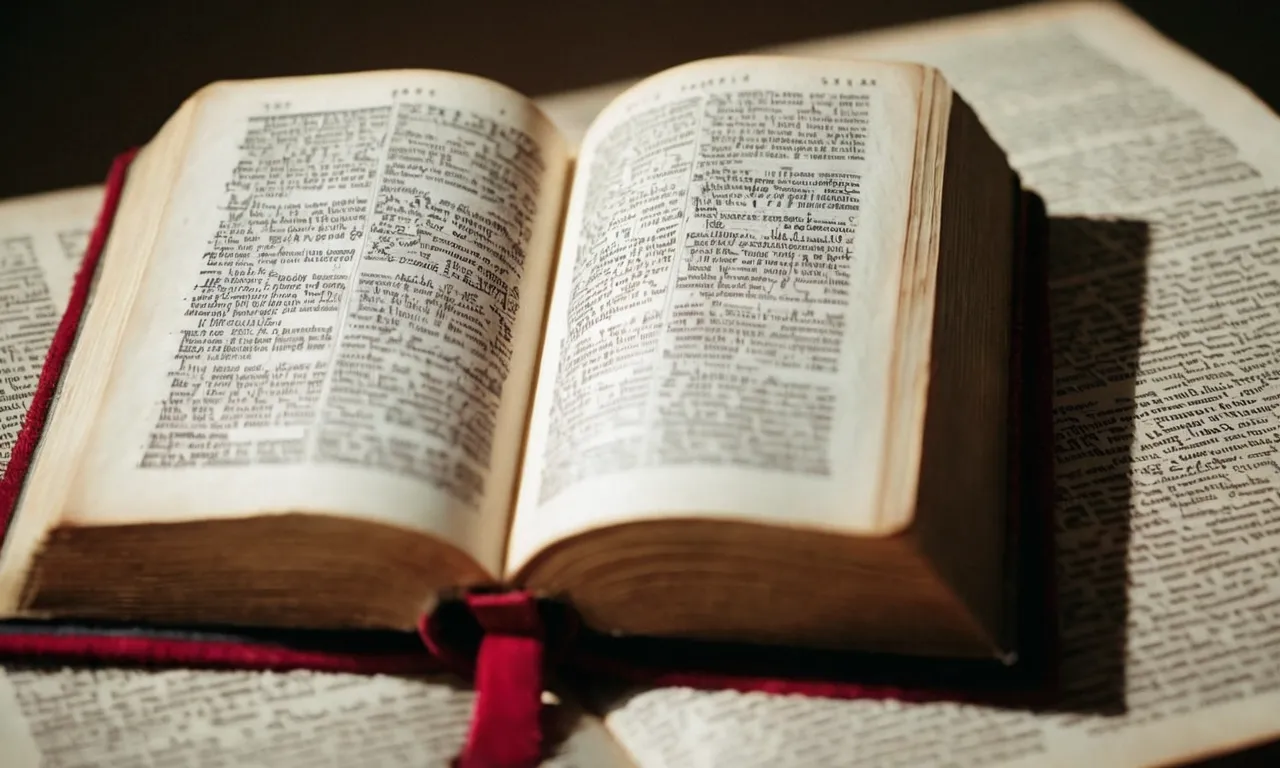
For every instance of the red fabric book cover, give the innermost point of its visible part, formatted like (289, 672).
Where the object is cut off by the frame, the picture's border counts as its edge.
(507, 641)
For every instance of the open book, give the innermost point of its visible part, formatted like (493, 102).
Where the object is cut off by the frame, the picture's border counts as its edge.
(331, 367)
(1057, 84)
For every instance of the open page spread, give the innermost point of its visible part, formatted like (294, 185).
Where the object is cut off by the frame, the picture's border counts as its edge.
(1162, 179)
(688, 366)
(341, 312)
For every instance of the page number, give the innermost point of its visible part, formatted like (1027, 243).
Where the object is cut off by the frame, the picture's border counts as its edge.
(849, 81)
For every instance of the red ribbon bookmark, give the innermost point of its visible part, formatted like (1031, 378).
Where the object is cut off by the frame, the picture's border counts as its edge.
(506, 729)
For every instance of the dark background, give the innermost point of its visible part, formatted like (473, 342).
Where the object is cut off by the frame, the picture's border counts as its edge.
(82, 80)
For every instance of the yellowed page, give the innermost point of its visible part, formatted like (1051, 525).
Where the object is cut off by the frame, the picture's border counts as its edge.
(63, 717)
(1163, 181)
(717, 342)
(42, 238)
(341, 311)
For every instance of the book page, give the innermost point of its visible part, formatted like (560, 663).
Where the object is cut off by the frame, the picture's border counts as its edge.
(719, 333)
(1162, 178)
(341, 313)
(66, 717)
(42, 238)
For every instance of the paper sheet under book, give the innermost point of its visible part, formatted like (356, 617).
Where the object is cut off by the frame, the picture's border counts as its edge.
(1162, 178)
(129, 717)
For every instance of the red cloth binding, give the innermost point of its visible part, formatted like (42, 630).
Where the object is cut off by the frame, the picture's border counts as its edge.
(54, 648)
(506, 729)
(24, 448)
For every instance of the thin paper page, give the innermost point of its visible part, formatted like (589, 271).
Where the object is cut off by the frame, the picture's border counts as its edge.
(1163, 184)
(719, 334)
(41, 241)
(342, 311)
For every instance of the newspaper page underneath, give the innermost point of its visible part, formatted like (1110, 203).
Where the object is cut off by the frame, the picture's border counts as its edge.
(190, 718)
(1162, 179)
